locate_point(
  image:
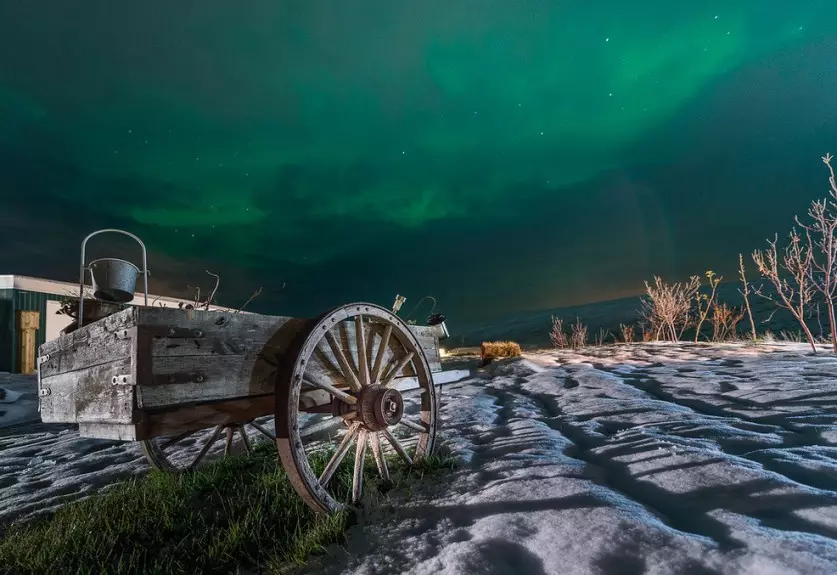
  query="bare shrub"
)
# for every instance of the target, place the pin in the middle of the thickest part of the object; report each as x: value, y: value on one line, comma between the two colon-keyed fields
x: 745, y: 291
x: 708, y: 300
x: 558, y: 336
x: 627, y: 332
x: 602, y: 335
x: 668, y: 306
x: 578, y: 337
x: 795, y: 293
x: 725, y: 321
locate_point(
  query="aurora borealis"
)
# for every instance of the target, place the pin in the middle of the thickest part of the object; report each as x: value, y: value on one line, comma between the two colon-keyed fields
x: 500, y: 155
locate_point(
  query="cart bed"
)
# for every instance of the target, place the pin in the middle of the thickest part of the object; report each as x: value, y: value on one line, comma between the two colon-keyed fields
x: 146, y: 372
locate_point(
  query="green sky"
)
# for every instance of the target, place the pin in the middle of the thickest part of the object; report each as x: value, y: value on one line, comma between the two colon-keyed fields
x: 292, y: 139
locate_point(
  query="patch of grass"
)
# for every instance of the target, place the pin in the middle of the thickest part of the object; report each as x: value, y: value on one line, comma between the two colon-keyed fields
x: 238, y: 513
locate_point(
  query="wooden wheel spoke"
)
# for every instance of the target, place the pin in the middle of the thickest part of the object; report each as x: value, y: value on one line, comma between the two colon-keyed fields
x: 375, y: 440
x: 379, y: 357
x: 360, y: 343
x: 320, y: 426
x: 328, y: 387
x: 261, y: 429
x: 360, y: 457
x: 338, y: 456
x: 177, y: 439
x: 244, y: 438
x: 397, y: 369
x: 396, y: 445
x: 229, y: 441
x: 212, y: 439
x: 421, y: 427
x: 348, y: 373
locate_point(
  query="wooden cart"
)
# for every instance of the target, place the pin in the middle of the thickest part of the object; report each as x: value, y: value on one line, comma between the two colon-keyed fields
x: 161, y: 375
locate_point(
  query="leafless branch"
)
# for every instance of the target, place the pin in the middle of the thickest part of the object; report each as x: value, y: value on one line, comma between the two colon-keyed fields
x: 256, y: 294
x: 746, y: 293
x: 214, y: 290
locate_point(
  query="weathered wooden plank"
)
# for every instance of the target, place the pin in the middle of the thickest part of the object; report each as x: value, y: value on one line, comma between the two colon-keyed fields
x: 221, y: 377
x: 88, y: 395
x: 94, y: 344
x: 114, y: 431
x: 112, y: 323
x: 221, y: 333
x: 100, y: 348
x: 428, y: 338
x: 191, y: 417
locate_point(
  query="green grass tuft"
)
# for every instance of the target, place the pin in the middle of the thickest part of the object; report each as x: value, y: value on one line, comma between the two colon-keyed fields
x: 238, y: 513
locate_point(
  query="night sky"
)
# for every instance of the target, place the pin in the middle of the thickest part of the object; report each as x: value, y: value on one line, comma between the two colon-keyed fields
x: 499, y: 155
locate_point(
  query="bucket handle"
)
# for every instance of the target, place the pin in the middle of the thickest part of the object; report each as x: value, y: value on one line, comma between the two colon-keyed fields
x: 82, y: 267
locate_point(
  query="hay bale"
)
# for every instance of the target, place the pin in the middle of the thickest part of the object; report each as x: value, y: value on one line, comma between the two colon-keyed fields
x: 491, y: 350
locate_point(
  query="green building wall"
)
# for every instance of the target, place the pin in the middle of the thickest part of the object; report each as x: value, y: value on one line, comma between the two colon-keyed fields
x: 11, y: 302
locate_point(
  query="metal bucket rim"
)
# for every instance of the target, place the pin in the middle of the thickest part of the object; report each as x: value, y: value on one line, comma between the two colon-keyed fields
x: 113, y: 260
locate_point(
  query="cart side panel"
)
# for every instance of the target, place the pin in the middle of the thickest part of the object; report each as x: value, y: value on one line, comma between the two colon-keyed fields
x: 88, y: 395
x: 94, y: 344
x: 428, y: 337
x: 77, y: 370
x: 196, y: 356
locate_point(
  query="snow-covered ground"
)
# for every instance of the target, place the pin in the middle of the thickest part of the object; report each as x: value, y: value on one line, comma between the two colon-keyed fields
x: 653, y: 458
x: 650, y: 458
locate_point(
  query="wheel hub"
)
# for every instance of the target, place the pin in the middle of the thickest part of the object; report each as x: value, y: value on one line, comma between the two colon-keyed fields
x: 380, y: 407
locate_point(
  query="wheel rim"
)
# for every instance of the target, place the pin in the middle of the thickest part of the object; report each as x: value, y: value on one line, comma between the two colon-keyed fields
x: 352, y: 356
x: 192, y: 449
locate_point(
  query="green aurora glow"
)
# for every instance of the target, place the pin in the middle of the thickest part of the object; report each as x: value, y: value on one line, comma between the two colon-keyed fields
x: 295, y: 135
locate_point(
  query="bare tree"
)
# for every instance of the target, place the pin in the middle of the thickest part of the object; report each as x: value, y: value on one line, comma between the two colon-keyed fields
x: 794, y: 293
x: 702, y: 312
x: 668, y: 306
x: 745, y: 291
x: 822, y: 272
x: 558, y: 336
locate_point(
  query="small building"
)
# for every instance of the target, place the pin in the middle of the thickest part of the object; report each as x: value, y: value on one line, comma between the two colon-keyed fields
x: 43, y: 298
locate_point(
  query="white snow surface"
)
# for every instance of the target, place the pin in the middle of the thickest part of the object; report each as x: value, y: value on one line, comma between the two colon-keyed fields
x: 649, y: 458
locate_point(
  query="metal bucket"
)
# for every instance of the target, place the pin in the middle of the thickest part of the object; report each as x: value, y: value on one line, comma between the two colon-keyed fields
x: 114, y: 280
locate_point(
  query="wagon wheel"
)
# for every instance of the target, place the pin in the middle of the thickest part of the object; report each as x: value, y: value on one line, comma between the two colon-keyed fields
x: 352, y: 356
x: 187, y: 451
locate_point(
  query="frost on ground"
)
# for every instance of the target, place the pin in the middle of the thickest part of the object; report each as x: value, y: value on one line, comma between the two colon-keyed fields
x: 658, y: 458
x: 651, y: 458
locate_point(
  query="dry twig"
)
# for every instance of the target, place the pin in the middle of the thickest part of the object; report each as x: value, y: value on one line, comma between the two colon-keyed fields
x: 709, y: 299
x: 256, y: 294
x: 746, y: 293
